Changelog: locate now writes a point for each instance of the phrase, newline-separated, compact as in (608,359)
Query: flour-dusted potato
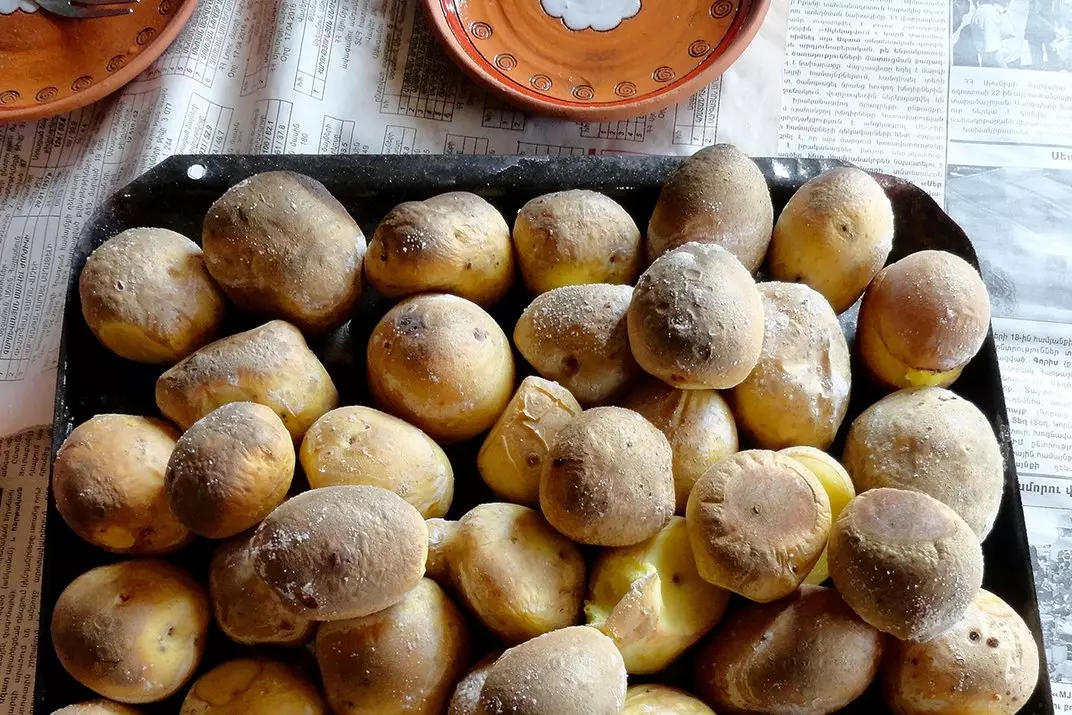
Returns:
(466,696)
(717,196)
(97,707)
(133,631)
(509,567)
(441,363)
(404,659)
(253,686)
(341,552)
(360,445)
(696,319)
(576,236)
(230,469)
(271,365)
(246,609)
(577,335)
(798,392)
(834,235)
(651,699)
(282,246)
(839,490)
(453,243)
(147,296)
(108,482)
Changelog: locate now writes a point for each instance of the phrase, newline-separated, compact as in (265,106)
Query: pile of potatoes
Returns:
(664,500)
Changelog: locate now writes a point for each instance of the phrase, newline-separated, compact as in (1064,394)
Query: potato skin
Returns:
(511,459)
(696,319)
(698,424)
(443,364)
(798,392)
(271,365)
(651,699)
(282,246)
(253,686)
(577,335)
(404,659)
(230,470)
(987,663)
(341,552)
(360,445)
(245,608)
(807,654)
(834,235)
(146,295)
(717,196)
(97,707)
(133,631)
(578,236)
(608,479)
(108,482)
(466,696)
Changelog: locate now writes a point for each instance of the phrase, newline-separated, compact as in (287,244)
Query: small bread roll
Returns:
(798,392)
(271,365)
(108,482)
(942,445)
(512,456)
(651,699)
(834,235)
(282,246)
(577,336)
(97,707)
(133,631)
(807,654)
(839,491)
(572,237)
(246,609)
(571,671)
(608,479)
(987,663)
(253,686)
(717,196)
(341,552)
(360,445)
(922,320)
(404,659)
(696,319)
(443,364)
(905,562)
(230,469)
(466,696)
(147,296)
(758,522)
(518,575)
(454,243)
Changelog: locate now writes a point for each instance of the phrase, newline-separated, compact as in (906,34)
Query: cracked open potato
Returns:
(253,686)
(839,491)
(652,699)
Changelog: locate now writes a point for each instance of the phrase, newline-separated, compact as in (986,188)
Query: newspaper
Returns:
(971,99)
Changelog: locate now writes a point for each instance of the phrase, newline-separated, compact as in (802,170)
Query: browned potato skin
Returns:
(271,365)
(360,445)
(807,654)
(987,663)
(146,295)
(282,246)
(230,470)
(578,236)
(132,631)
(580,673)
(405,659)
(441,363)
(253,686)
(246,609)
(717,196)
(108,482)
(512,456)
(698,424)
(454,243)
(608,479)
(651,699)
(341,552)
(466,696)
(905,562)
(577,335)
(97,707)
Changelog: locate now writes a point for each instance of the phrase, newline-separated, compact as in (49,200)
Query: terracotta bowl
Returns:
(595,59)
(50,65)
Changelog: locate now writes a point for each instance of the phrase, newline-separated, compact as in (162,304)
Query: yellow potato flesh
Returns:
(838,486)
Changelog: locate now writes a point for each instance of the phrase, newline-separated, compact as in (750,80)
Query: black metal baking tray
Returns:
(177,193)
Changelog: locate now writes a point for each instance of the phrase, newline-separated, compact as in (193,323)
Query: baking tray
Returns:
(177,193)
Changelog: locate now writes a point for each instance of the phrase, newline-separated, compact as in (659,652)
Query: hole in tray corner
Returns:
(196,171)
